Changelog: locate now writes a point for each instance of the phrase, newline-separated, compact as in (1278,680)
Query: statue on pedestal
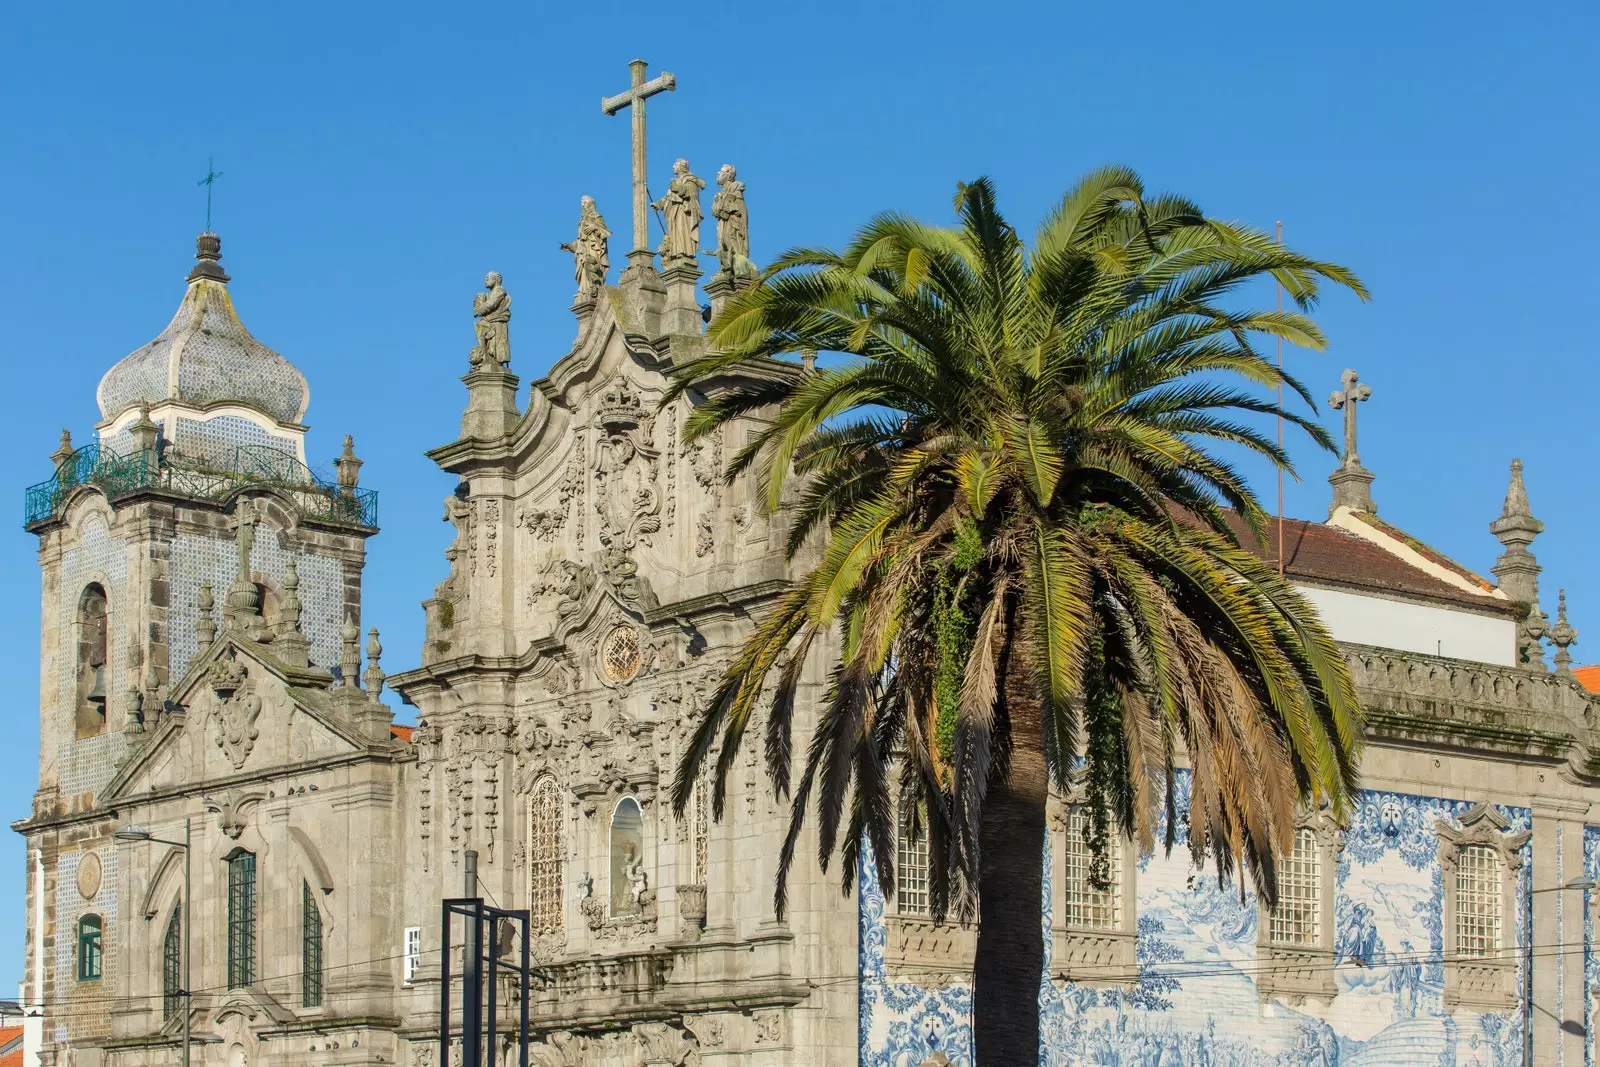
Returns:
(492,311)
(591,253)
(681,206)
(733,219)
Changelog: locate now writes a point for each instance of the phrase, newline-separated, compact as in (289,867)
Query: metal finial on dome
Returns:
(208,259)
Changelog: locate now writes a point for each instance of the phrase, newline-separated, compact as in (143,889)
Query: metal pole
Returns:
(494,988)
(188,1003)
(444,987)
(527,993)
(472,969)
(1280,418)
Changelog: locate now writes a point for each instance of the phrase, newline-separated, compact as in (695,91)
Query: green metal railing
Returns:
(315,496)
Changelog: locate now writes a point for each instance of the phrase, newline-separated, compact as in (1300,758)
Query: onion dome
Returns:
(206,356)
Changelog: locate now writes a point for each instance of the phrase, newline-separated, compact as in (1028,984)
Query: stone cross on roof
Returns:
(1346,399)
(1352,483)
(638,92)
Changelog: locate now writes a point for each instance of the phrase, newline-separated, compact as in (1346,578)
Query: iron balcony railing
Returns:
(315,496)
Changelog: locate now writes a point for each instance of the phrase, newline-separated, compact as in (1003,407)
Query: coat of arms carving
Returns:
(234,717)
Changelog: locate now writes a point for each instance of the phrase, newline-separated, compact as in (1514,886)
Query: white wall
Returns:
(1411,627)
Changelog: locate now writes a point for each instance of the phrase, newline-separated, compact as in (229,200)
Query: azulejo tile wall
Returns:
(199,558)
(1195,1000)
(86,765)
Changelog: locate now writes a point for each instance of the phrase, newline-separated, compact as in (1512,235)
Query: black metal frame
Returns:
(478,1030)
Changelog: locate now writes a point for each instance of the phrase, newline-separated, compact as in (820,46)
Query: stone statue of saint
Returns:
(733,220)
(681,206)
(492,310)
(591,254)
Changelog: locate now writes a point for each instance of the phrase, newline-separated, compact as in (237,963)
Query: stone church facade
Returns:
(205,676)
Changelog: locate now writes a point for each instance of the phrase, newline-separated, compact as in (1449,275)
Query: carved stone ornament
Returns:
(231,811)
(89,875)
(234,716)
(626,465)
(662,1045)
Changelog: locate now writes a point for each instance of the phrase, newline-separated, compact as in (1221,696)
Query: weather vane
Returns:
(212,174)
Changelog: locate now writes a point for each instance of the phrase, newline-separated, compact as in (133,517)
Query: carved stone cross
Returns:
(638,92)
(1347,399)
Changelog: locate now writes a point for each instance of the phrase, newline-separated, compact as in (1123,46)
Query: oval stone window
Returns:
(619,653)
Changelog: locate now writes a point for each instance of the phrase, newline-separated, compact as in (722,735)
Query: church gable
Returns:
(240,714)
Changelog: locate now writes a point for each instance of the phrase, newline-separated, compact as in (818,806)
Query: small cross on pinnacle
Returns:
(212,174)
(1352,483)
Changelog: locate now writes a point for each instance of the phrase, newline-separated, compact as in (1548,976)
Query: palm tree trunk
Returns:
(1010,957)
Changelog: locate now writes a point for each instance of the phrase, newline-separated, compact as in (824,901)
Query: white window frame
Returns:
(1486,982)
(411,953)
(1091,955)
(1293,970)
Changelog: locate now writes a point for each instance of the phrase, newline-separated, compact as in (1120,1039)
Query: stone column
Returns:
(1574,986)
(1543,931)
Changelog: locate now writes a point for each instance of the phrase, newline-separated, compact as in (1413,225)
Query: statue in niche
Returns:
(591,252)
(733,224)
(492,311)
(627,857)
(681,206)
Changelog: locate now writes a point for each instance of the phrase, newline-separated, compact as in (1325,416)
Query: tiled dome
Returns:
(205,355)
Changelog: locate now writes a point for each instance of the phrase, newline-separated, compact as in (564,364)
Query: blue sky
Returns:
(378,159)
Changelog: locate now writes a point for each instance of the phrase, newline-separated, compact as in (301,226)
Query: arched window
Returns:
(172,964)
(310,949)
(628,880)
(91,626)
(91,953)
(546,858)
(241,919)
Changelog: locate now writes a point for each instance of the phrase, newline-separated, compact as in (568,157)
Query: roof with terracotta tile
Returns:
(395,729)
(1323,554)
(10,1046)
(1588,677)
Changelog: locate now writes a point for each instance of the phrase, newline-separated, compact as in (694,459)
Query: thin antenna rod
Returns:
(1280,416)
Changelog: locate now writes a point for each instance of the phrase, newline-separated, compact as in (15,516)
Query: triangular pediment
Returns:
(236,711)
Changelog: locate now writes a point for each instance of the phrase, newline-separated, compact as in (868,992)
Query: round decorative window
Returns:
(619,653)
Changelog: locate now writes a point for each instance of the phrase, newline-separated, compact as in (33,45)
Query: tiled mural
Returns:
(1195,1002)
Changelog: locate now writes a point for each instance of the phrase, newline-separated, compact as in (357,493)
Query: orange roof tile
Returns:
(402,732)
(1588,677)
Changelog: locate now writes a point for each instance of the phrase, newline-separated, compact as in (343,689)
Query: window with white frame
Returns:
(1482,854)
(911,865)
(1091,906)
(412,959)
(546,857)
(1478,898)
(1297,920)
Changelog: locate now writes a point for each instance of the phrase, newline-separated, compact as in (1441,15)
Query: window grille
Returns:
(172,965)
(701,827)
(546,860)
(1477,902)
(413,952)
(241,919)
(911,867)
(1297,920)
(1087,906)
(91,956)
(310,949)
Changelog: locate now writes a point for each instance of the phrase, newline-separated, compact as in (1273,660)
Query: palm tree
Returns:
(1027,570)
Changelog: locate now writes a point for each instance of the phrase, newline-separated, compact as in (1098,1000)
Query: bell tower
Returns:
(190,516)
